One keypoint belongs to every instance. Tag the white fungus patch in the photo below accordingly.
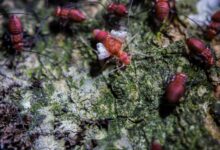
(123, 143)
(61, 91)
(31, 61)
(84, 98)
(48, 143)
(47, 125)
(201, 91)
(47, 140)
(8, 79)
(68, 125)
(26, 100)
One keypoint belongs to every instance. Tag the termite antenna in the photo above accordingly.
(140, 53)
(40, 28)
(129, 10)
(86, 44)
(190, 20)
(114, 70)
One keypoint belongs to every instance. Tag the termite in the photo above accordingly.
(176, 88)
(216, 16)
(114, 13)
(200, 51)
(16, 39)
(155, 145)
(66, 15)
(15, 29)
(163, 9)
(111, 46)
(213, 28)
(70, 14)
(115, 8)
(118, 9)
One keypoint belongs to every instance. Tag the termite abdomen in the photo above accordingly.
(162, 10)
(200, 51)
(99, 35)
(176, 88)
(15, 30)
(15, 25)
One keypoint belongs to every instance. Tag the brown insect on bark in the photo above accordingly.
(213, 28)
(15, 40)
(164, 10)
(176, 88)
(70, 14)
(200, 52)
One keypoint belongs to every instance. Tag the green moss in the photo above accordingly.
(56, 108)
(130, 98)
(36, 106)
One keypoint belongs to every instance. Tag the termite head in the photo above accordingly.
(99, 35)
(212, 30)
(119, 9)
(77, 15)
(216, 16)
(15, 25)
(111, 7)
(57, 11)
(182, 77)
(125, 58)
(210, 34)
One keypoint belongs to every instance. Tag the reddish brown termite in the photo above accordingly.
(16, 39)
(15, 29)
(113, 45)
(213, 28)
(115, 8)
(70, 14)
(118, 9)
(176, 88)
(115, 12)
(100, 35)
(163, 9)
(200, 51)
(216, 16)
(155, 145)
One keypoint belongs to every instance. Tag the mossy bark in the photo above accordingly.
(56, 83)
